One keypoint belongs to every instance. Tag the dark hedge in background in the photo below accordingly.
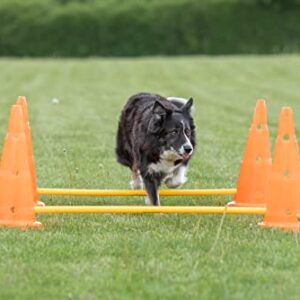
(133, 28)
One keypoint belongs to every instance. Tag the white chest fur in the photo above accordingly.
(166, 163)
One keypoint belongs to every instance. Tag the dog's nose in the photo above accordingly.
(187, 149)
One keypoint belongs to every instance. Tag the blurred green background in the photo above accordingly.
(74, 106)
(82, 28)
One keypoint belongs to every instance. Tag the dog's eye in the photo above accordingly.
(173, 132)
(187, 132)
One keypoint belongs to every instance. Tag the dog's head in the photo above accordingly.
(174, 128)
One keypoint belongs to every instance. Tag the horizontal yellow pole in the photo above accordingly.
(112, 193)
(149, 209)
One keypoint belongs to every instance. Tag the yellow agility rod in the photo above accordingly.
(113, 193)
(149, 209)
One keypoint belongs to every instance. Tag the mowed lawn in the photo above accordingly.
(74, 108)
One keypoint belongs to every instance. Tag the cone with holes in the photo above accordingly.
(283, 195)
(256, 164)
(16, 194)
(23, 103)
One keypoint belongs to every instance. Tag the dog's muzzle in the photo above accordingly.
(187, 150)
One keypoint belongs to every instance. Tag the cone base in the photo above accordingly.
(281, 225)
(20, 224)
(239, 204)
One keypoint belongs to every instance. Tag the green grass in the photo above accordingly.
(150, 256)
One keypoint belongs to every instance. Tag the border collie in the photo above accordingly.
(156, 139)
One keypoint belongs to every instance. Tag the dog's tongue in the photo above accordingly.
(185, 156)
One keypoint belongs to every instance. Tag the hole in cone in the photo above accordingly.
(258, 159)
(286, 137)
(259, 126)
(288, 212)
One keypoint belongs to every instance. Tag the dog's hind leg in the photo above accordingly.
(137, 181)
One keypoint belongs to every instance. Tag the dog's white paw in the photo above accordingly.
(177, 178)
(175, 182)
(137, 181)
(136, 184)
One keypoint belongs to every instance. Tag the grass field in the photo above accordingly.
(145, 256)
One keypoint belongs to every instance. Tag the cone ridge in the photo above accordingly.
(16, 124)
(256, 163)
(16, 193)
(260, 113)
(286, 151)
(283, 195)
(23, 103)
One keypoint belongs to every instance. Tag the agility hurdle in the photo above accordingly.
(19, 194)
(149, 209)
(121, 193)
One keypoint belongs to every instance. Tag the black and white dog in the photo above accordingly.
(156, 139)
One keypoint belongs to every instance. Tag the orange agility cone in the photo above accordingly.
(283, 195)
(256, 164)
(23, 103)
(16, 195)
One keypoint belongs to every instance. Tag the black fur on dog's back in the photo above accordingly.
(132, 137)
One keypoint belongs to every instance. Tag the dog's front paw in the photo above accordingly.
(175, 182)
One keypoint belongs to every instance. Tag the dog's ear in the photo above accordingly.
(159, 109)
(155, 123)
(159, 113)
(187, 107)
